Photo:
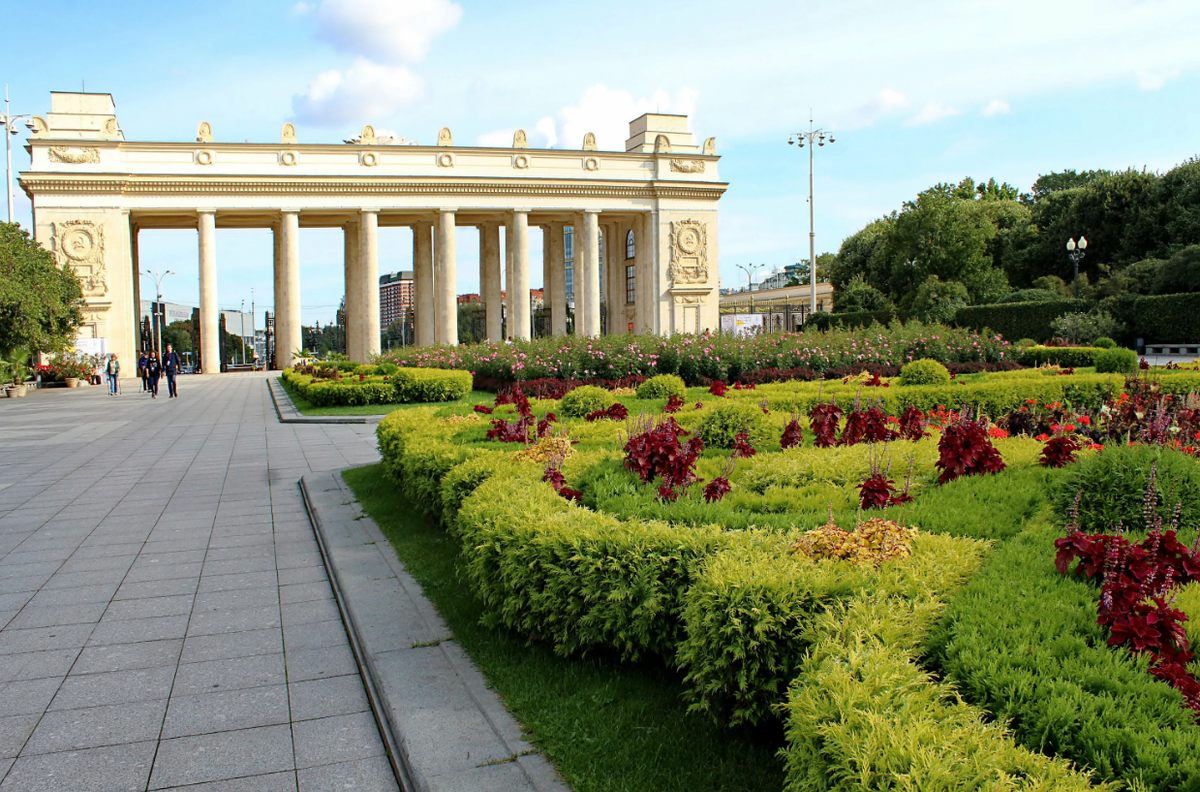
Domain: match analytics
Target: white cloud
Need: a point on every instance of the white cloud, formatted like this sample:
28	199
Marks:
603	111
386	31
996	107
300	9
887	102
931	113
1153	80
363	92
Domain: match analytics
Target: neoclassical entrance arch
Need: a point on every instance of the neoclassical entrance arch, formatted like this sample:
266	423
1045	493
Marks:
93	191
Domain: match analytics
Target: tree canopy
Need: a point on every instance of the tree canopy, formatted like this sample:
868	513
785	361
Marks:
40	302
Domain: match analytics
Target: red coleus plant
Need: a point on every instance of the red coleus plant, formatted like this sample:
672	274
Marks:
1138	581
526	428
913	423
479	408
741	386
719	487
557	480
1060	451
823	418
674	404
617	412
718	388
793	436
653	449
742	448
878	491
966	450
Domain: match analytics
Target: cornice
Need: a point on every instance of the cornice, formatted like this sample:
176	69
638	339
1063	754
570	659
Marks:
92	184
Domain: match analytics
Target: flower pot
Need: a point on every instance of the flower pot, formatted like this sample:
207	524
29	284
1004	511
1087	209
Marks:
72	382
16	391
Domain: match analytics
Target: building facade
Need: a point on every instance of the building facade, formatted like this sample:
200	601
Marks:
93	191
395	297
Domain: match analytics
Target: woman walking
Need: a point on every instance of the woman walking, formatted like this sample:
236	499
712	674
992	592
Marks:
153	372
113	370
141	365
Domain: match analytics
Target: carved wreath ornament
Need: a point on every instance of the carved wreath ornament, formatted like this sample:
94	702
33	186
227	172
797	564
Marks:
689	252
80	245
74	156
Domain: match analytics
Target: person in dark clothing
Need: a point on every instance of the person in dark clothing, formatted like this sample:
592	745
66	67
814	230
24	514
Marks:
142	359
153	372
170	367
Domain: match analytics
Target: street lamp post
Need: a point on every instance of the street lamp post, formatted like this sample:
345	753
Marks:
1075	253
801	139
750	271
10	128
158	279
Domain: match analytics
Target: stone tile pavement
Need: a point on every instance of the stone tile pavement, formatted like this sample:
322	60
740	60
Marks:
165	617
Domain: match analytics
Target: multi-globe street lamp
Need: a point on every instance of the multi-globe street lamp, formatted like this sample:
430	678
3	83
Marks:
1075	253
160	311
750	272
9	121
811	138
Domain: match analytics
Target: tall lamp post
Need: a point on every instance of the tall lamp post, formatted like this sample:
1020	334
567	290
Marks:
158	279
10	128
810	138
1075	253
750	272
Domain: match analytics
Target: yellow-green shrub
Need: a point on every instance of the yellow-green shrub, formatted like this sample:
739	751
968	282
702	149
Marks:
586	399
661	387
415	385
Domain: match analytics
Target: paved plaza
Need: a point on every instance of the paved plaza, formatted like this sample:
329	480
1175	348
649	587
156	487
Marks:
165	617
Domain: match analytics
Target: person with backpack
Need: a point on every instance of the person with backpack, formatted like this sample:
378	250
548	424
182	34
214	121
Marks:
143	358
171	367
112	370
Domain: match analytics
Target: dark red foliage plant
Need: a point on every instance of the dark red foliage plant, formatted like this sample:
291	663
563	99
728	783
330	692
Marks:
823	418
913	423
555	476
793	435
526	429
1060	451
742	448
674	404
966	450
617	412
878	491
719	487
653	449
718	388
1137	589
479	408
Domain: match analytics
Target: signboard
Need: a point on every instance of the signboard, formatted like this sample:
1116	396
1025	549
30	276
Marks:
739	325
91	346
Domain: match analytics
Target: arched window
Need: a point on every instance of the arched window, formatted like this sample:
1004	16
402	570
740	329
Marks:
629	246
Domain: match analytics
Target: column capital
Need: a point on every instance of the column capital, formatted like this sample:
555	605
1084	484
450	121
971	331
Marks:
369	210
592	211
289	211
447	210
206	211
521	210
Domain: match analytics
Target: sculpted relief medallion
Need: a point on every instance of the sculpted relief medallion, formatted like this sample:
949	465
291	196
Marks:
74	156
687	166
80	245
689	252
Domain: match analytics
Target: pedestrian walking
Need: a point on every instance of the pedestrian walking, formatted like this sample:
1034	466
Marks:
113	370
153	372
170	367
141	364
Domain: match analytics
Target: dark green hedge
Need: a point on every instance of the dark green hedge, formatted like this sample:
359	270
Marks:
1165	318
1072	357
1015	321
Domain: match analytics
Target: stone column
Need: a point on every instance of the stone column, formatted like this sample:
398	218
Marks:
289	337
210	314
590	260
556	290
490	284
353	283
423	282
519	294
446	323
643	254
279	307
546	266
508	278
368	338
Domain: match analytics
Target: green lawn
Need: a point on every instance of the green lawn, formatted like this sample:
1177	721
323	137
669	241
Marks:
607	726
308	408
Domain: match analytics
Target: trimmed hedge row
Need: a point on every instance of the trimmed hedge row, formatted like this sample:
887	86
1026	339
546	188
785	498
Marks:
406	386
1165	318
863	714
1068	357
1021	640
1015	321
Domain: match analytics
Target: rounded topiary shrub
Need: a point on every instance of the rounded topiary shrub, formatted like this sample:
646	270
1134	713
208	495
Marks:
1104	342
585	399
924	372
662	387
346	366
721	426
366	370
1116	361
1111	487
388	369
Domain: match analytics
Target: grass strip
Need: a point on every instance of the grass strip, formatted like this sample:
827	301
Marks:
605	725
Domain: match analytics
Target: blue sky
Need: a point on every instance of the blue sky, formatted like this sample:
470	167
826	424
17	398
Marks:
917	92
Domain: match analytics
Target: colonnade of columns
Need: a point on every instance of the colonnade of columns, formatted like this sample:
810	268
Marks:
435	276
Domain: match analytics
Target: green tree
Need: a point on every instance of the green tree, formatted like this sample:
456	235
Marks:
1067	179
467	322
40	302
938	301
179	336
859	296
864	254
1180	273
825	263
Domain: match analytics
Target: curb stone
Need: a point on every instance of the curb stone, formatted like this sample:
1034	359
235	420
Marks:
287	412
445	729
